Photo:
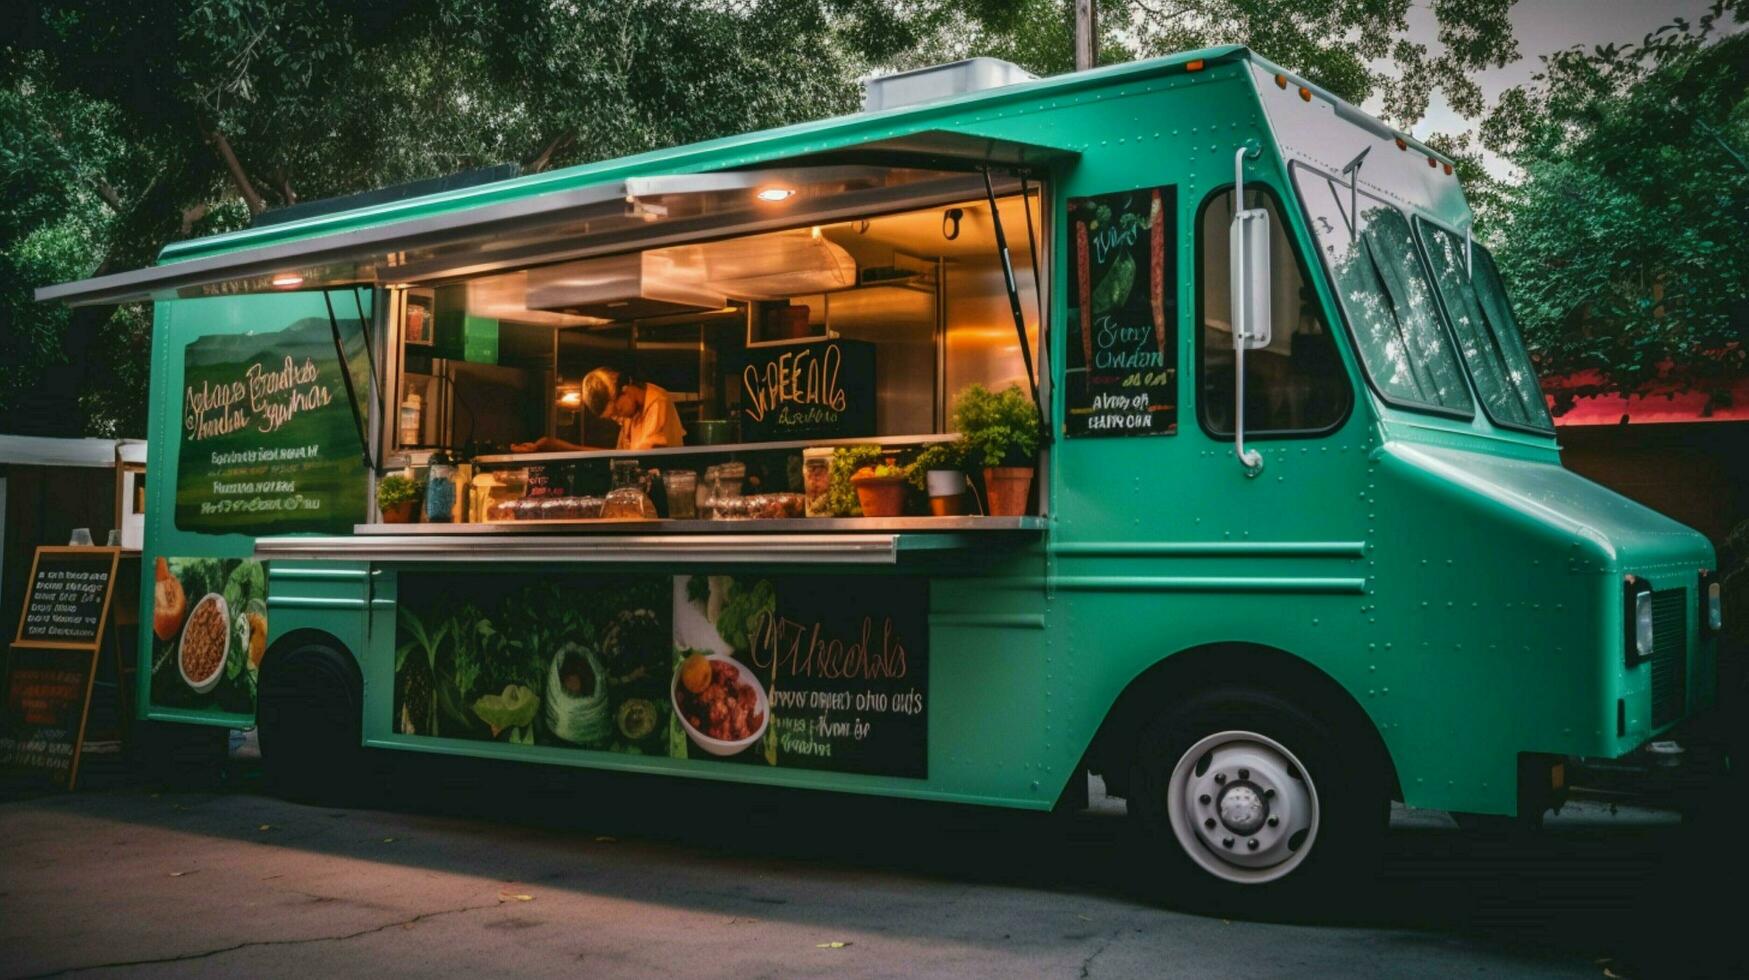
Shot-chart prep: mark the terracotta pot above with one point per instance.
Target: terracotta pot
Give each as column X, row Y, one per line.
column 1006, row 489
column 947, row 492
column 880, row 496
column 952, row 506
column 401, row 513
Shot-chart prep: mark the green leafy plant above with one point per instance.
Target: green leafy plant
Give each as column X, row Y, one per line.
column 997, row 428
column 846, row 460
column 393, row 490
column 937, row 456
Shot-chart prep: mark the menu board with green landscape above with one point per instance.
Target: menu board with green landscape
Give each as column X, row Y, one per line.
column 1122, row 369
column 269, row 442
column 774, row 671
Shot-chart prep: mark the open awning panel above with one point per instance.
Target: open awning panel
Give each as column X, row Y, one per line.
column 599, row 219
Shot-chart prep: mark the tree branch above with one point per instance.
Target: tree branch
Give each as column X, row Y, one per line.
column 234, row 168
column 544, row 158
column 107, row 191
column 192, row 214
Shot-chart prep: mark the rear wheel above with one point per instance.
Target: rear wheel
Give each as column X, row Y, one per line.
column 309, row 714
column 1249, row 801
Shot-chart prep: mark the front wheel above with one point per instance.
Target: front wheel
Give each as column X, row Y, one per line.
column 1247, row 799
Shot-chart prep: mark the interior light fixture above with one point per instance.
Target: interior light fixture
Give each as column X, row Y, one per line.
column 287, row 280
column 776, row 194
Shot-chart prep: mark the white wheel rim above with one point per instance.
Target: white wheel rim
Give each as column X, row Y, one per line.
column 1243, row 807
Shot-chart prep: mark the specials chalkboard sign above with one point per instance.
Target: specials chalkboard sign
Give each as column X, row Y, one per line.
column 1123, row 314
column 824, row 389
column 42, row 720
column 67, row 597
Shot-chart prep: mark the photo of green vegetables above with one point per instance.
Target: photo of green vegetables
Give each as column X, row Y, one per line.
column 683, row 667
column 582, row 662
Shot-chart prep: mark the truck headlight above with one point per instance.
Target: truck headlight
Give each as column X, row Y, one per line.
column 1637, row 607
column 1712, row 602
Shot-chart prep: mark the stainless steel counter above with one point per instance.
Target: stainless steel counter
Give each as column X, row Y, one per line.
column 812, row 526
column 857, row 548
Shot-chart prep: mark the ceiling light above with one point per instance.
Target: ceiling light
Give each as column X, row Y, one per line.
column 288, row 279
column 775, row 194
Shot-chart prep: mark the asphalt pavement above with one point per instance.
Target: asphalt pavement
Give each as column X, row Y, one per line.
column 462, row 868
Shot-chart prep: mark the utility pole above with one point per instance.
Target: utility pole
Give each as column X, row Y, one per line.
column 1086, row 35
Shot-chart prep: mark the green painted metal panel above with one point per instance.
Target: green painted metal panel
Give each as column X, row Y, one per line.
column 174, row 415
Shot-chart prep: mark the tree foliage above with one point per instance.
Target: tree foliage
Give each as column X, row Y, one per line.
column 1623, row 241
column 132, row 123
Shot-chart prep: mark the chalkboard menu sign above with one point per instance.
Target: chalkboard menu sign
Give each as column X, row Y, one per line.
column 67, row 598
column 42, row 721
column 53, row 662
column 1123, row 314
column 819, row 390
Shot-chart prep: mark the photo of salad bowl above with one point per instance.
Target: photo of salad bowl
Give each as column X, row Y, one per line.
column 720, row 703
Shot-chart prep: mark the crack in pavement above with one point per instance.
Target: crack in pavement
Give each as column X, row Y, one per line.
column 204, row 954
column 1087, row 964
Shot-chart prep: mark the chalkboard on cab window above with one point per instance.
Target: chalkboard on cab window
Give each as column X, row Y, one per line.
column 1123, row 314
column 824, row 389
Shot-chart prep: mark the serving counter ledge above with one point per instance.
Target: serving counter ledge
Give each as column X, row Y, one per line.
column 758, row 526
column 867, row 541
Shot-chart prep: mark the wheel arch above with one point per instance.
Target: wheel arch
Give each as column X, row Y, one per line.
column 1230, row 663
column 305, row 637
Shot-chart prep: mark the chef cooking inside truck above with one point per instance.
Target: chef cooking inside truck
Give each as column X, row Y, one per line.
column 645, row 413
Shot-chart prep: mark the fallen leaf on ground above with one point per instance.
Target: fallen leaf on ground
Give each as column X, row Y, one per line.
column 178, row 874
column 265, row 826
column 387, row 840
column 507, row 897
column 1084, row 918
column 831, row 945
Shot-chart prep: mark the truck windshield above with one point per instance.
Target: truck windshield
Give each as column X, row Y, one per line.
column 1475, row 302
column 1386, row 295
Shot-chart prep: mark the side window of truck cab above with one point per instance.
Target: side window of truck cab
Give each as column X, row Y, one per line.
column 1297, row 385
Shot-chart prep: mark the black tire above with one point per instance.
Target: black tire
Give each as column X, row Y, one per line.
column 1352, row 806
column 309, row 712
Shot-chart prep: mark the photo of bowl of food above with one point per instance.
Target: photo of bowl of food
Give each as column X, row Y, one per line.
column 206, row 642
column 721, row 705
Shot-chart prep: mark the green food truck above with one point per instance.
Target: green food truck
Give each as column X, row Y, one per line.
column 1161, row 422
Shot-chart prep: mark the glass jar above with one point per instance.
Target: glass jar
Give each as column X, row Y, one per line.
column 817, row 480
column 681, row 486
column 440, row 497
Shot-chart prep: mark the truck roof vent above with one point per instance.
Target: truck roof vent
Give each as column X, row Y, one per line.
column 939, row 82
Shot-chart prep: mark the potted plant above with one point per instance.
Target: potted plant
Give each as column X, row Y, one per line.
column 397, row 497
column 939, row 471
column 880, row 489
column 842, row 499
column 1001, row 434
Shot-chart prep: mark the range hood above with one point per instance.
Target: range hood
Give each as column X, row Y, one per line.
column 623, row 287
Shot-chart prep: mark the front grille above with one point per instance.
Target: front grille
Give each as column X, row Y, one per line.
column 1669, row 655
